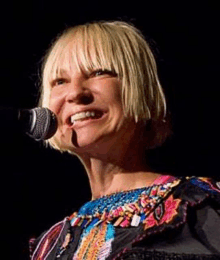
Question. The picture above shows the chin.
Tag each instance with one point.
(84, 144)
(76, 144)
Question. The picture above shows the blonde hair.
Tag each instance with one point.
(121, 48)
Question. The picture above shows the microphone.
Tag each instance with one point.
(38, 123)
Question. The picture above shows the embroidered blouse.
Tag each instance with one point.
(175, 218)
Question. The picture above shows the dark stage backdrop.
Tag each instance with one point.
(40, 186)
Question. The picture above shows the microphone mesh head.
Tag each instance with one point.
(44, 124)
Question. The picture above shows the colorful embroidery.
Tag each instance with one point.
(96, 242)
(48, 241)
(99, 218)
(151, 206)
(122, 210)
(205, 183)
(165, 212)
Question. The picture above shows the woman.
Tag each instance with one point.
(101, 81)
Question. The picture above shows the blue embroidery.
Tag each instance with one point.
(112, 202)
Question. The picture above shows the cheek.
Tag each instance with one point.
(55, 102)
(115, 92)
(112, 95)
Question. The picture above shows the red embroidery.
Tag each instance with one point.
(47, 242)
(170, 211)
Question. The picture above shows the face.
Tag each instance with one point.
(89, 110)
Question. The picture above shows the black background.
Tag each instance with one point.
(40, 186)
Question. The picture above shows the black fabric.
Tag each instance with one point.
(143, 254)
(68, 254)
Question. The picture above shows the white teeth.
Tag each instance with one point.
(81, 115)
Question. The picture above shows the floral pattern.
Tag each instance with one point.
(163, 213)
(142, 212)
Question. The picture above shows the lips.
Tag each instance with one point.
(85, 115)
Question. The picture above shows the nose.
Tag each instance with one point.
(79, 95)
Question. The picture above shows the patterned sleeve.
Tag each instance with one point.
(206, 202)
(186, 225)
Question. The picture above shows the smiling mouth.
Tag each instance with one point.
(83, 116)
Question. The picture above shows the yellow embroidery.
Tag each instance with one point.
(92, 243)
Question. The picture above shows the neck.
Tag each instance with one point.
(118, 180)
(115, 173)
(117, 164)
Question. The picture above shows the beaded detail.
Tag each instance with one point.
(100, 217)
(169, 212)
(124, 208)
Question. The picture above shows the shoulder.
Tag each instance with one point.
(181, 215)
(189, 212)
(176, 196)
(200, 195)
(196, 190)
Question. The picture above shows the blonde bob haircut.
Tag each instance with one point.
(119, 47)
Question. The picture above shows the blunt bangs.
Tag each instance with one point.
(87, 48)
(118, 47)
